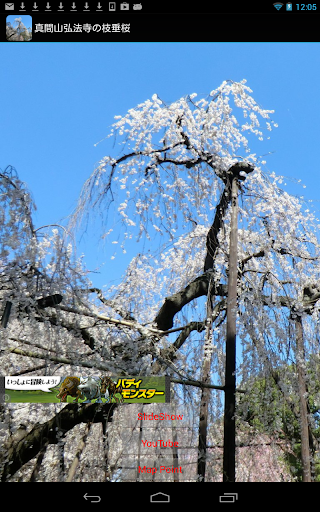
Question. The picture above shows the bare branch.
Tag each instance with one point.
(56, 359)
(199, 384)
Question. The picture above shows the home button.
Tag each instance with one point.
(160, 497)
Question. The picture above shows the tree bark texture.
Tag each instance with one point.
(205, 392)
(303, 397)
(212, 237)
(230, 370)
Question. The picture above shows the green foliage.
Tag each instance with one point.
(270, 408)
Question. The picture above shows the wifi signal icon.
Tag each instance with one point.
(278, 6)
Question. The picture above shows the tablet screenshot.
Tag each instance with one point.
(159, 251)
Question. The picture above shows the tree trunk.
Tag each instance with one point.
(6, 314)
(229, 446)
(205, 394)
(304, 427)
(105, 437)
(203, 424)
(175, 454)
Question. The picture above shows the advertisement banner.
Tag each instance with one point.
(93, 389)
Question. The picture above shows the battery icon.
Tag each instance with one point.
(288, 7)
(228, 497)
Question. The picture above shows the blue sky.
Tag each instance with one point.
(58, 100)
(26, 20)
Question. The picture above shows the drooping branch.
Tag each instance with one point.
(57, 359)
(191, 326)
(9, 178)
(169, 353)
(199, 286)
(21, 452)
(75, 463)
(126, 315)
(70, 327)
(110, 320)
(42, 303)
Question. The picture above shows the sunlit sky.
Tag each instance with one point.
(59, 100)
(25, 19)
